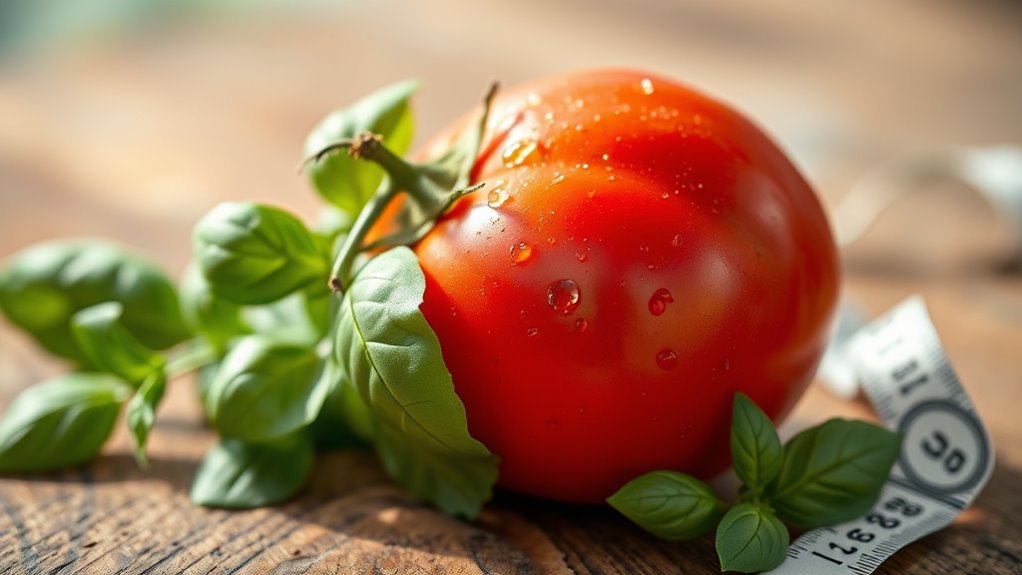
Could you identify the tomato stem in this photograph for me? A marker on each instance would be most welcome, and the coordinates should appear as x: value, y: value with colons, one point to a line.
x: 433, y: 188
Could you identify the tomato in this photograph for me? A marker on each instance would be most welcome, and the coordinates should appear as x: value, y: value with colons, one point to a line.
x: 639, y: 253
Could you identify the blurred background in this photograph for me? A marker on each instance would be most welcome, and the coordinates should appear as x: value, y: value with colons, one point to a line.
x: 131, y: 118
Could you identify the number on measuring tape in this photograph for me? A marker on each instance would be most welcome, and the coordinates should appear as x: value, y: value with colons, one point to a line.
x: 945, y: 456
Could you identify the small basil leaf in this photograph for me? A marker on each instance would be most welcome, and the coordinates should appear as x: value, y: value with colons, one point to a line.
x: 243, y: 475
x: 332, y: 222
x: 217, y: 319
x: 755, y: 447
x: 750, y: 539
x: 256, y: 254
x: 109, y: 345
x: 266, y: 389
x: 61, y: 422
x: 670, y: 505
x: 204, y: 381
x: 300, y: 318
x: 389, y: 352
x: 141, y: 412
x: 833, y: 472
x: 344, y: 421
x: 339, y: 178
x: 43, y: 286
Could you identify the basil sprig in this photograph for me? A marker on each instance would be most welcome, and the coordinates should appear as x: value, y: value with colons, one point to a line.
x: 283, y: 364
x: 825, y: 475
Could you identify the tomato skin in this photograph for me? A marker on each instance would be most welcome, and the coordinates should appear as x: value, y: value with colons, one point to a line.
x: 703, y: 265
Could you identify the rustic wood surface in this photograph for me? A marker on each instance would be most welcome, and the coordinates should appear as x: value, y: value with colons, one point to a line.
x: 135, y: 137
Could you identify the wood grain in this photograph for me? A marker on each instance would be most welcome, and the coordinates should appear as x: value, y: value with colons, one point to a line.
x: 135, y: 138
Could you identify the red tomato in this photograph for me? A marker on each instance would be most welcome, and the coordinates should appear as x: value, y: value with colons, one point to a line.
x: 639, y: 253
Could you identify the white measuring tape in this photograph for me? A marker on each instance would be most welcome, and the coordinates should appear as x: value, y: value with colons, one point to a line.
x: 946, y: 456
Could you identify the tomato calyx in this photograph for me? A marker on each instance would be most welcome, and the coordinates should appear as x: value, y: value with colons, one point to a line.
x: 431, y: 187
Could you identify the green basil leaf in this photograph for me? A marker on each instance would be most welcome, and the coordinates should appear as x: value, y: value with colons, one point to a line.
x: 670, y: 505
x: 61, y: 422
x: 339, y: 178
x: 204, y: 381
x: 344, y: 421
x: 389, y: 352
x: 217, y: 319
x: 457, y: 484
x: 332, y: 222
x: 141, y: 412
x: 833, y: 472
x: 43, y: 286
x: 266, y: 389
x: 109, y: 346
x: 301, y: 318
x: 750, y: 539
x: 243, y: 475
x: 256, y: 254
x: 755, y: 447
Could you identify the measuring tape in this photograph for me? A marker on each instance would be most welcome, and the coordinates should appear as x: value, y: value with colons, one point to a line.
x: 946, y: 455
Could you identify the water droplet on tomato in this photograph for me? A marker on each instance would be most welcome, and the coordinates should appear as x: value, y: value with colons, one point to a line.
x: 551, y: 240
x: 659, y: 300
x: 725, y: 364
x: 522, y: 314
x: 552, y: 424
x: 532, y: 331
x: 581, y: 256
x: 647, y: 86
x: 651, y: 267
x: 665, y: 195
x: 676, y: 240
x: 558, y: 178
x: 581, y: 325
x: 563, y: 296
x: 521, y: 252
x: 666, y: 358
x: 497, y: 197
x: 519, y: 152
x: 644, y: 248
x: 606, y: 157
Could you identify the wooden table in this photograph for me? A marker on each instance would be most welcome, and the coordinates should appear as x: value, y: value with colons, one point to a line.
x: 134, y: 138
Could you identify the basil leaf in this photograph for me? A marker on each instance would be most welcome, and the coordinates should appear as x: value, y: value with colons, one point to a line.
x: 217, y: 319
x: 109, y: 345
x: 342, y: 180
x: 344, y: 421
x: 61, y: 422
x: 141, y: 412
x: 243, y: 475
x: 204, y: 381
x: 389, y: 352
x: 755, y: 447
x: 833, y: 472
x: 256, y: 254
x: 457, y: 484
x: 266, y: 389
x: 670, y: 505
x: 750, y: 539
x: 43, y: 286
x: 298, y: 318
